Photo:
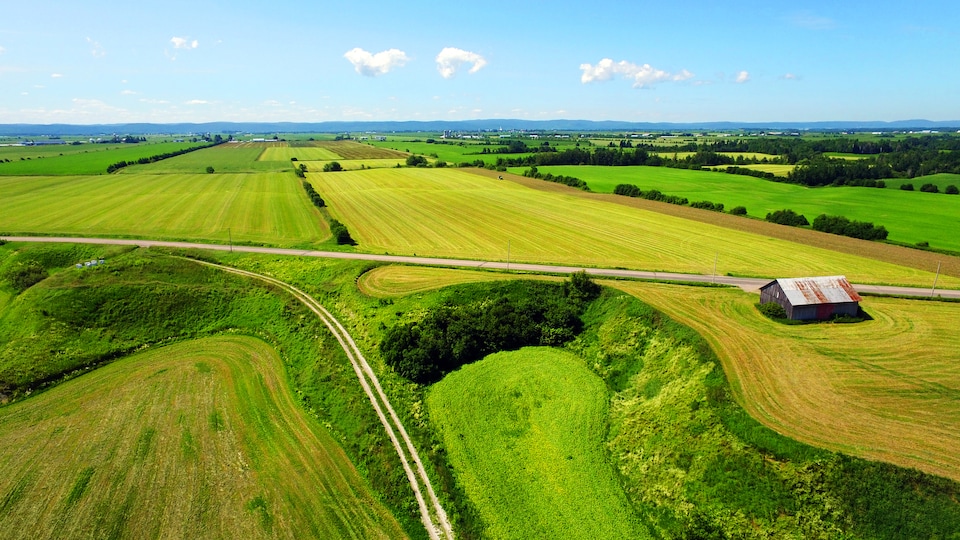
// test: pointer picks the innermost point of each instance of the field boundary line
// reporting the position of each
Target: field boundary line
(378, 400)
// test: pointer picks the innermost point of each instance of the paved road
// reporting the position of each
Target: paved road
(747, 284)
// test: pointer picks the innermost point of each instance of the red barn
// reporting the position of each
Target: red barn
(813, 298)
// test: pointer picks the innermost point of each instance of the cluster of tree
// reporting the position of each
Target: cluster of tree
(823, 171)
(571, 181)
(787, 217)
(153, 159)
(743, 171)
(932, 188)
(630, 190)
(315, 197)
(707, 205)
(340, 233)
(514, 315)
(126, 139)
(843, 226)
(300, 171)
(417, 161)
(333, 166)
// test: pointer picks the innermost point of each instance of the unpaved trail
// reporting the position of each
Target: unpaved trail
(432, 515)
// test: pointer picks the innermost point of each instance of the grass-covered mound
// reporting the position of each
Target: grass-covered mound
(199, 439)
(524, 430)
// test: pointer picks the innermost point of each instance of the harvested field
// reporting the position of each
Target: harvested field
(200, 439)
(885, 389)
(395, 281)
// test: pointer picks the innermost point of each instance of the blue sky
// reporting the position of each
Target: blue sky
(91, 62)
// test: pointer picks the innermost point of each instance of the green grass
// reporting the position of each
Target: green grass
(524, 432)
(224, 158)
(92, 159)
(111, 452)
(941, 180)
(910, 217)
(301, 153)
(259, 208)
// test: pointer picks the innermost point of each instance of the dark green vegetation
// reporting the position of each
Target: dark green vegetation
(76, 320)
(843, 226)
(787, 217)
(571, 181)
(471, 324)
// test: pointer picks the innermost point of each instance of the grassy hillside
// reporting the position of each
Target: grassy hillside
(201, 439)
(448, 212)
(524, 431)
(73, 321)
(92, 159)
(910, 217)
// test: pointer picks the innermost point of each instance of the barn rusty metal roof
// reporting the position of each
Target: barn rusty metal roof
(817, 290)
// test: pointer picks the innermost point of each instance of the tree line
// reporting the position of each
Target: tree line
(510, 316)
(153, 159)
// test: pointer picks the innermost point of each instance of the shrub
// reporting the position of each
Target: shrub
(787, 217)
(209, 170)
(906, 187)
(25, 275)
(772, 310)
(333, 166)
(929, 188)
(854, 229)
(952, 190)
(416, 161)
(739, 210)
(340, 233)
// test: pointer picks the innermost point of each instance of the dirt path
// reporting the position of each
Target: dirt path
(432, 515)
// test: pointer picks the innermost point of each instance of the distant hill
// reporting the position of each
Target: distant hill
(45, 130)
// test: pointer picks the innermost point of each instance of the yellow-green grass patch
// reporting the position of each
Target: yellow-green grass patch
(357, 164)
(286, 153)
(395, 281)
(200, 439)
(355, 150)
(452, 213)
(524, 432)
(776, 169)
(260, 207)
(886, 389)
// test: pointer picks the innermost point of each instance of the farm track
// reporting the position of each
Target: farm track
(747, 284)
(439, 529)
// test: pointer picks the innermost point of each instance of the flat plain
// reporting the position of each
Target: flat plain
(909, 216)
(258, 208)
(452, 213)
(84, 159)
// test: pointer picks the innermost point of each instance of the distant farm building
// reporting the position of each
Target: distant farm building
(813, 298)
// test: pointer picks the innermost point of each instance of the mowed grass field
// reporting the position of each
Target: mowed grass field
(92, 159)
(394, 281)
(887, 388)
(453, 213)
(524, 430)
(200, 439)
(224, 158)
(910, 217)
(257, 208)
(329, 151)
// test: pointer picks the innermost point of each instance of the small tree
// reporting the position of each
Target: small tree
(772, 310)
(739, 210)
(209, 170)
(952, 190)
(416, 161)
(906, 187)
(333, 166)
(929, 188)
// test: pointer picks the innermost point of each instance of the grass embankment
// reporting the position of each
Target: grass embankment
(884, 389)
(201, 439)
(910, 217)
(75, 320)
(260, 208)
(524, 431)
(92, 159)
(452, 213)
(692, 462)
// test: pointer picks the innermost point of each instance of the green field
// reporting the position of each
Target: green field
(910, 217)
(452, 213)
(92, 159)
(224, 158)
(198, 439)
(300, 153)
(259, 208)
(941, 180)
(524, 431)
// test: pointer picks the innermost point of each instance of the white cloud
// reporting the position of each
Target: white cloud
(184, 43)
(372, 65)
(2, 50)
(642, 75)
(197, 102)
(56, 75)
(451, 58)
(154, 101)
(96, 49)
(743, 77)
(791, 77)
(127, 93)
